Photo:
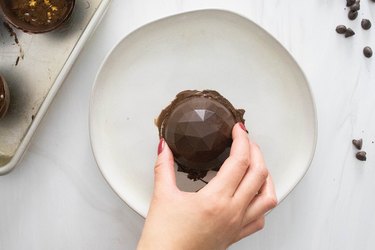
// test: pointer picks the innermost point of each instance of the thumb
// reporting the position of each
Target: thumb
(165, 178)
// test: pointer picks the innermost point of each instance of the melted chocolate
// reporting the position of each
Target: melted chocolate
(37, 16)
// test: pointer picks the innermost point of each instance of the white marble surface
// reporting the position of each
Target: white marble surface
(57, 199)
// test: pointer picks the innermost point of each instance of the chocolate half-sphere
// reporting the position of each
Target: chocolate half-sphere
(197, 126)
(4, 97)
(37, 16)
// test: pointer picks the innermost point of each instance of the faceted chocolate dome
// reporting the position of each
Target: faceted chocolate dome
(197, 126)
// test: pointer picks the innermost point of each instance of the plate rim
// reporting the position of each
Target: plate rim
(110, 52)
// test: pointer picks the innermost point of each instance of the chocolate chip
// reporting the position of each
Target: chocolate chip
(361, 155)
(358, 143)
(350, 3)
(355, 7)
(367, 51)
(341, 29)
(352, 14)
(349, 32)
(366, 24)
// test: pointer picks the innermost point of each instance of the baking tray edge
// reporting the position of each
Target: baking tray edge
(89, 30)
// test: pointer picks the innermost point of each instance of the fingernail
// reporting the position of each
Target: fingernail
(161, 146)
(243, 127)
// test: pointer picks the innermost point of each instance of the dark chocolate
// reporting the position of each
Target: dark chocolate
(197, 127)
(37, 16)
(349, 32)
(358, 143)
(367, 51)
(366, 24)
(353, 14)
(341, 29)
(361, 155)
(356, 6)
(350, 3)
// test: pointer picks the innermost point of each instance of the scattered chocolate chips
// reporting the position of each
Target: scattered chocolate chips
(349, 32)
(358, 143)
(350, 3)
(354, 7)
(341, 29)
(352, 15)
(366, 24)
(367, 51)
(361, 155)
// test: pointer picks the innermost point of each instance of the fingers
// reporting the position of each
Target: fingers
(254, 179)
(262, 203)
(251, 228)
(234, 168)
(165, 178)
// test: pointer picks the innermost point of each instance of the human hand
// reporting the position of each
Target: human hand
(230, 207)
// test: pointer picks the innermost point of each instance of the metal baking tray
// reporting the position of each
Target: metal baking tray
(35, 66)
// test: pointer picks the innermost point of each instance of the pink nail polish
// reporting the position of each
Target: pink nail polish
(161, 146)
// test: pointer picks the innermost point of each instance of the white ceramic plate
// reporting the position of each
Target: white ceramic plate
(205, 49)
